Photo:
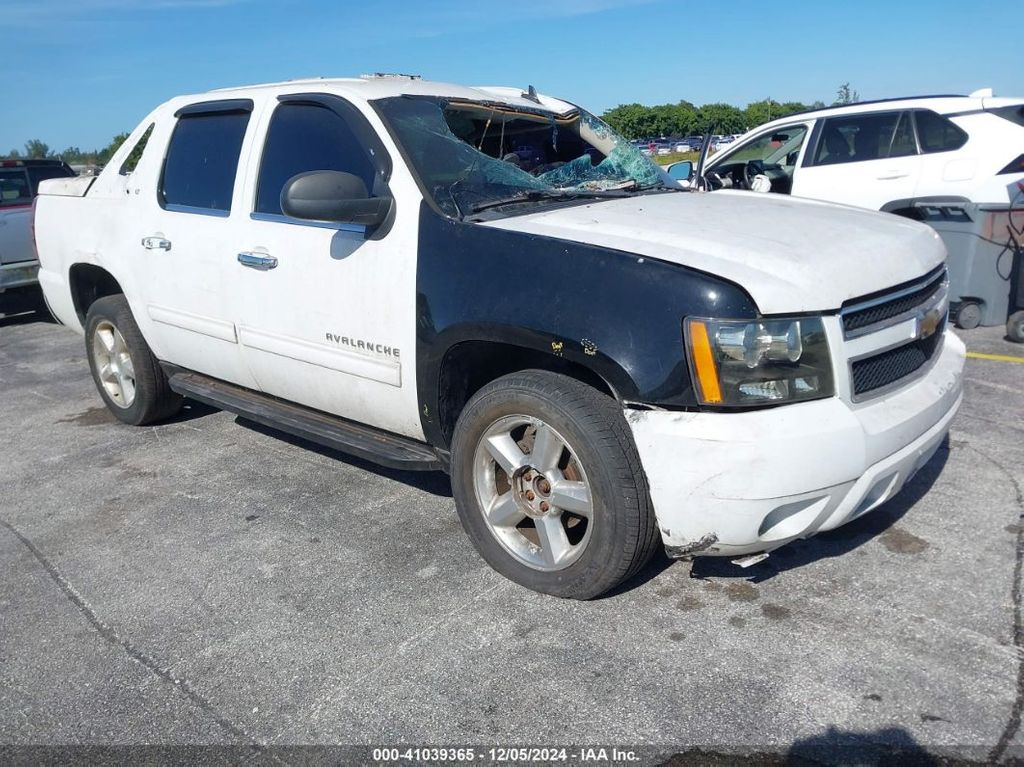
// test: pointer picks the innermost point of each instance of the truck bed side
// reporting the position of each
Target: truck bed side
(74, 219)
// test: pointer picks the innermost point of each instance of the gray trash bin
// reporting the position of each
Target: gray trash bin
(1015, 324)
(985, 243)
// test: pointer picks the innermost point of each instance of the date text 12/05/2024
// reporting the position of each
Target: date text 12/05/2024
(506, 754)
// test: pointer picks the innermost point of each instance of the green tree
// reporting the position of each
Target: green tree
(104, 155)
(720, 118)
(72, 155)
(627, 119)
(639, 121)
(762, 111)
(792, 107)
(36, 149)
(14, 154)
(675, 119)
(846, 95)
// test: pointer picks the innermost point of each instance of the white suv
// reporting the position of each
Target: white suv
(885, 155)
(925, 158)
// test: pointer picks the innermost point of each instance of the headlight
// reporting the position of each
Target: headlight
(739, 363)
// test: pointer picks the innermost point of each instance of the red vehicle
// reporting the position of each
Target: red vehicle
(19, 182)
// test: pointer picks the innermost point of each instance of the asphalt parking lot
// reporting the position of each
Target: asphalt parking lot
(208, 581)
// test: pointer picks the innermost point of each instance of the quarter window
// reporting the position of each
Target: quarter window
(132, 160)
(863, 137)
(1014, 114)
(937, 133)
(202, 160)
(305, 137)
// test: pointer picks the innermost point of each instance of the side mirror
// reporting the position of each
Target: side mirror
(680, 171)
(330, 195)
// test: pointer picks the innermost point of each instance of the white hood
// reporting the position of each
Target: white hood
(790, 255)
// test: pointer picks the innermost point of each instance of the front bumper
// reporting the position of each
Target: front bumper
(18, 275)
(728, 484)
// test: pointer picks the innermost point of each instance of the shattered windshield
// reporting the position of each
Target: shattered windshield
(472, 156)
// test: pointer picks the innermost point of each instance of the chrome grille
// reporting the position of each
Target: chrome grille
(882, 370)
(921, 306)
(861, 314)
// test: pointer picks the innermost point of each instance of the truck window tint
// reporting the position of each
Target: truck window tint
(202, 159)
(937, 134)
(14, 189)
(132, 160)
(305, 137)
(43, 172)
(858, 138)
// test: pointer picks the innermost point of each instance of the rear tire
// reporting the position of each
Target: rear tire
(127, 375)
(553, 462)
(1015, 327)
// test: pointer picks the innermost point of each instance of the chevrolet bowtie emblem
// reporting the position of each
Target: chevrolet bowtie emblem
(926, 324)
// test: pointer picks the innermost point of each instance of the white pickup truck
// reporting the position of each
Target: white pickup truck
(493, 283)
(19, 180)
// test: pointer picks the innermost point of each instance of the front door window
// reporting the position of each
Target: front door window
(765, 163)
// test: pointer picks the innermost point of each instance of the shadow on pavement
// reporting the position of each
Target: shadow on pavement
(22, 306)
(833, 543)
(885, 746)
(794, 555)
(433, 482)
(190, 411)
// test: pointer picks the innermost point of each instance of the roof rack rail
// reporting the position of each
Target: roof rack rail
(878, 101)
(390, 76)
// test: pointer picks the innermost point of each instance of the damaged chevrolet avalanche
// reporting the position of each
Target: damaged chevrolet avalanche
(491, 282)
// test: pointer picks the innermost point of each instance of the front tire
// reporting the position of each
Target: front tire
(549, 486)
(127, 375)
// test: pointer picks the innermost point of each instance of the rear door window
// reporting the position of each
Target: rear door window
(864, 137)
(202, 160)
(937, 133)
(14, 188)
(304, 137)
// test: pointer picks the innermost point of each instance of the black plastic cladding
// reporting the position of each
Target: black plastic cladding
(615, 313)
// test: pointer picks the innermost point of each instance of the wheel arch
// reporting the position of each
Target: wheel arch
(471, 362)
(613, 318)
(89, 282)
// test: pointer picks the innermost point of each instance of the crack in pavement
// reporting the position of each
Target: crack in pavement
(1013, 721)
(133, 652)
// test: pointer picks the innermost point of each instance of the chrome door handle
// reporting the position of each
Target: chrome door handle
(257, 261)
(156, 242)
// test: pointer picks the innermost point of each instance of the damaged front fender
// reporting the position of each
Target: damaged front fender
(691, 549)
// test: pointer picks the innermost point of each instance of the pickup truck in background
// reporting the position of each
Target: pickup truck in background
(19, 181)
(492, 282)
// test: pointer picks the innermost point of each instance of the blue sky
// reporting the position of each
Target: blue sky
(76, 72)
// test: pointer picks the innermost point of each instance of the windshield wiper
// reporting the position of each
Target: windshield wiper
(535, 195)
(660, 185)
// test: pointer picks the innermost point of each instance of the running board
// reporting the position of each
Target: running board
(366, 442)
